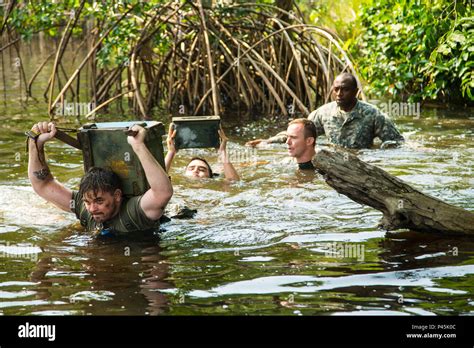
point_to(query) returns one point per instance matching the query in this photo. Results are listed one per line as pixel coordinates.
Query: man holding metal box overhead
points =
(100, 204)
(198, 132)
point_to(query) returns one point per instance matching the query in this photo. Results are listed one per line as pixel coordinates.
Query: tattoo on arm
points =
(42, 174)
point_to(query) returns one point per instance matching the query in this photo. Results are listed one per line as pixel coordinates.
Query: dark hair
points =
(203, 160)
(309, 128)
(349, 76)
(99, 179)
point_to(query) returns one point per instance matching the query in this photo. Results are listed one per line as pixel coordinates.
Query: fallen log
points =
(403, 206)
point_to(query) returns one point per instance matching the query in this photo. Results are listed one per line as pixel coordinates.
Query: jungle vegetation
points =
(262, 57)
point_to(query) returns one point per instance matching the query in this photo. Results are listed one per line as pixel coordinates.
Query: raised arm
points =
(155, 199)
(171, 148)
(229, 171)
(41, 179)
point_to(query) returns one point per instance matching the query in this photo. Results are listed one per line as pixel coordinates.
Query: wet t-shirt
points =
(131, 217)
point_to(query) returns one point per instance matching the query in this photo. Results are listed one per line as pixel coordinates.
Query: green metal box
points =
(105, 145)
(196, 131)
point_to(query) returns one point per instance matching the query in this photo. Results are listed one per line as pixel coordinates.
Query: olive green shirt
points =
(130, 218)
(355, 129)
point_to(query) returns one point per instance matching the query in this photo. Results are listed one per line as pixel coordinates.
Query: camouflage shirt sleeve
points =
(315, 117)
(77, 205)
(385, 129)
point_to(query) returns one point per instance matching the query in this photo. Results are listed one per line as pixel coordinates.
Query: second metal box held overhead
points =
(196, 131)
(105, 145)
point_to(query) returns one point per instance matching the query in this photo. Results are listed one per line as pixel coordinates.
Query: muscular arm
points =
(41, 179)
(155, 199)
(279, 138)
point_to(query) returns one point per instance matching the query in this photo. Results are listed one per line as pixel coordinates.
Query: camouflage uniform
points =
(354, 129)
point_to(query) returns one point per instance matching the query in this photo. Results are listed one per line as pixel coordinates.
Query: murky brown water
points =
(267, 245)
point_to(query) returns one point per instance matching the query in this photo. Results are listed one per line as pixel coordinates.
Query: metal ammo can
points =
(105, 145)
(196, 131)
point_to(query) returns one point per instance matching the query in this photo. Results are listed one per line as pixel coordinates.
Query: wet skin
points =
(197, 169)
(102, 205)
(345, 93)
(298, 146)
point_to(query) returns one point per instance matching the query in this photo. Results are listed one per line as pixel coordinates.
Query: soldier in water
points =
(301, 142)
(100, 204)
(347, 121)
(197, 167)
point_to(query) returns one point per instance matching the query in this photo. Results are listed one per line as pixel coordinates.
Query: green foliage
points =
(417, 49)
(452, 62)
(406, 49)
(338, 16)
(31, 17)
(51, 17)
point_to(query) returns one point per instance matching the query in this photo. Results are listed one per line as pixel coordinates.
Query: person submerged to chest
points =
(356, 128)
(102, 214)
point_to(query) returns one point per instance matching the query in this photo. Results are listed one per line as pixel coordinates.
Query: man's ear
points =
(310, 141)
(118, 194)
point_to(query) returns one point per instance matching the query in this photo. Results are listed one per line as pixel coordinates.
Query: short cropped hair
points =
(350, 77)
(309, 128)
(99, 179)
(203, 160)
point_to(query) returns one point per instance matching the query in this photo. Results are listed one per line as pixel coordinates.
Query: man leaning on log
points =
(348, 122)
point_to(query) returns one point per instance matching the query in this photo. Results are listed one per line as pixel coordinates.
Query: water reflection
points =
(259, 246)
(77, 274)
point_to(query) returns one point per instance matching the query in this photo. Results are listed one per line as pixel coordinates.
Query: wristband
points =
(32, 134)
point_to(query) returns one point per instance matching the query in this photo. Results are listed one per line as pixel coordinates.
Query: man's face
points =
(296, 143)
(344, 92)
(102, 205)
(197, 169)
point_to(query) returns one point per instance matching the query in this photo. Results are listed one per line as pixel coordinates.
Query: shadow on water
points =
(279, 242)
